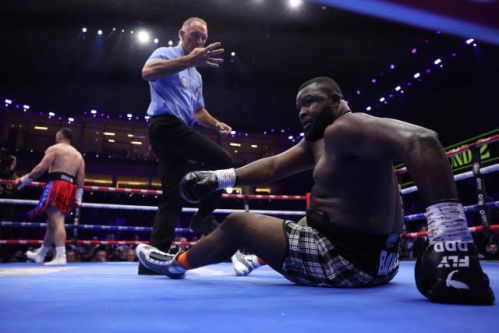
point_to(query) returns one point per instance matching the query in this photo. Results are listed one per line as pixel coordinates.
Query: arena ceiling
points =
(46, 61)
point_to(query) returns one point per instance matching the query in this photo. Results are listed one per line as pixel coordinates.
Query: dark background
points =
(48, 63)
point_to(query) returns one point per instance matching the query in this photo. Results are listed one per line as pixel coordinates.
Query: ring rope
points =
(159, 192)
(83, 242)
(467, 209)
(425, 233)
(458, 177)
(130, 242)
(84, 226)
(407, 190)
(154, 208)
(407, 218)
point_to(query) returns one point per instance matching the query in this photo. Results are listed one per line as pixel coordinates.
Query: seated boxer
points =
(355, 217)
(63, 190)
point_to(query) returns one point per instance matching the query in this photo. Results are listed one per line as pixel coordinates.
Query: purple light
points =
(390, 96)
(414, 50)
(469, 41)
(265, 133)
(102, 114)
(474, 45)
(85, 113)
(417, 75)
(120, 116)
(373, 81)
(358, 92)
(282, 131)
(71, 119)
(272, 130)
(437, 61)
(93, 111)
(40, 113)
(108, 117)
(233, 132)
(59, 118)
(26, 107)
(129, 115)
(409, 84)
(147, 117)
(137, 117)
(302, 134)
(428, 71)
(51, 114)
(290, 137)
(392, 66)
(453, 54)
(18, 106)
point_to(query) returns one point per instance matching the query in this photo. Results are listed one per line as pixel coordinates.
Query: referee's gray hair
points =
(187, 23)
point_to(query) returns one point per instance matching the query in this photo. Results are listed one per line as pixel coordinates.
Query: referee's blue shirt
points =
(180, 94)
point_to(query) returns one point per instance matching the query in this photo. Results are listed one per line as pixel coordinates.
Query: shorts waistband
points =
(61, 176)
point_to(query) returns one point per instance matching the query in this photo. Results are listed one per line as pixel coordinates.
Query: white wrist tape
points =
(226, 178)
(79, 196)
(25, 180)
(447, 222)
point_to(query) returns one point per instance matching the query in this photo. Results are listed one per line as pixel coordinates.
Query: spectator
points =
(101, 256)
(492, 253)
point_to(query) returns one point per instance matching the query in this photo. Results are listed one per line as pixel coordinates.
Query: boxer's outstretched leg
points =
(259, 234)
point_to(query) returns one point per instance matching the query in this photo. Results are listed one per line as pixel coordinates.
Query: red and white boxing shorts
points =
(59, 191)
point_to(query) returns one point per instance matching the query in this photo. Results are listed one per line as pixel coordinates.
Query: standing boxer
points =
(63, 190)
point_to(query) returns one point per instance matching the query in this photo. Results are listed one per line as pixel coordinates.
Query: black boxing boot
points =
(449, 272)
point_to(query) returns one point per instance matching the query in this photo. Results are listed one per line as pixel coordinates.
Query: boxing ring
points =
(111, 297)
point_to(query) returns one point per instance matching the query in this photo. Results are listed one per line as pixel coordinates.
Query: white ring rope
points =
(154, 208)
(461, 176)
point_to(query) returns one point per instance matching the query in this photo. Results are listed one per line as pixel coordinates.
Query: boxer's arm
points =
(297, 159)
(389, 139)
(80, 182)
(80, 175)
(44, 164)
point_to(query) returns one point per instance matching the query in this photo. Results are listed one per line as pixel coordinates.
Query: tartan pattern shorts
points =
(313, 260)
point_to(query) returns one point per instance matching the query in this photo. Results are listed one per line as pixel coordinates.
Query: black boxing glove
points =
(195, 185)
(449, 272)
